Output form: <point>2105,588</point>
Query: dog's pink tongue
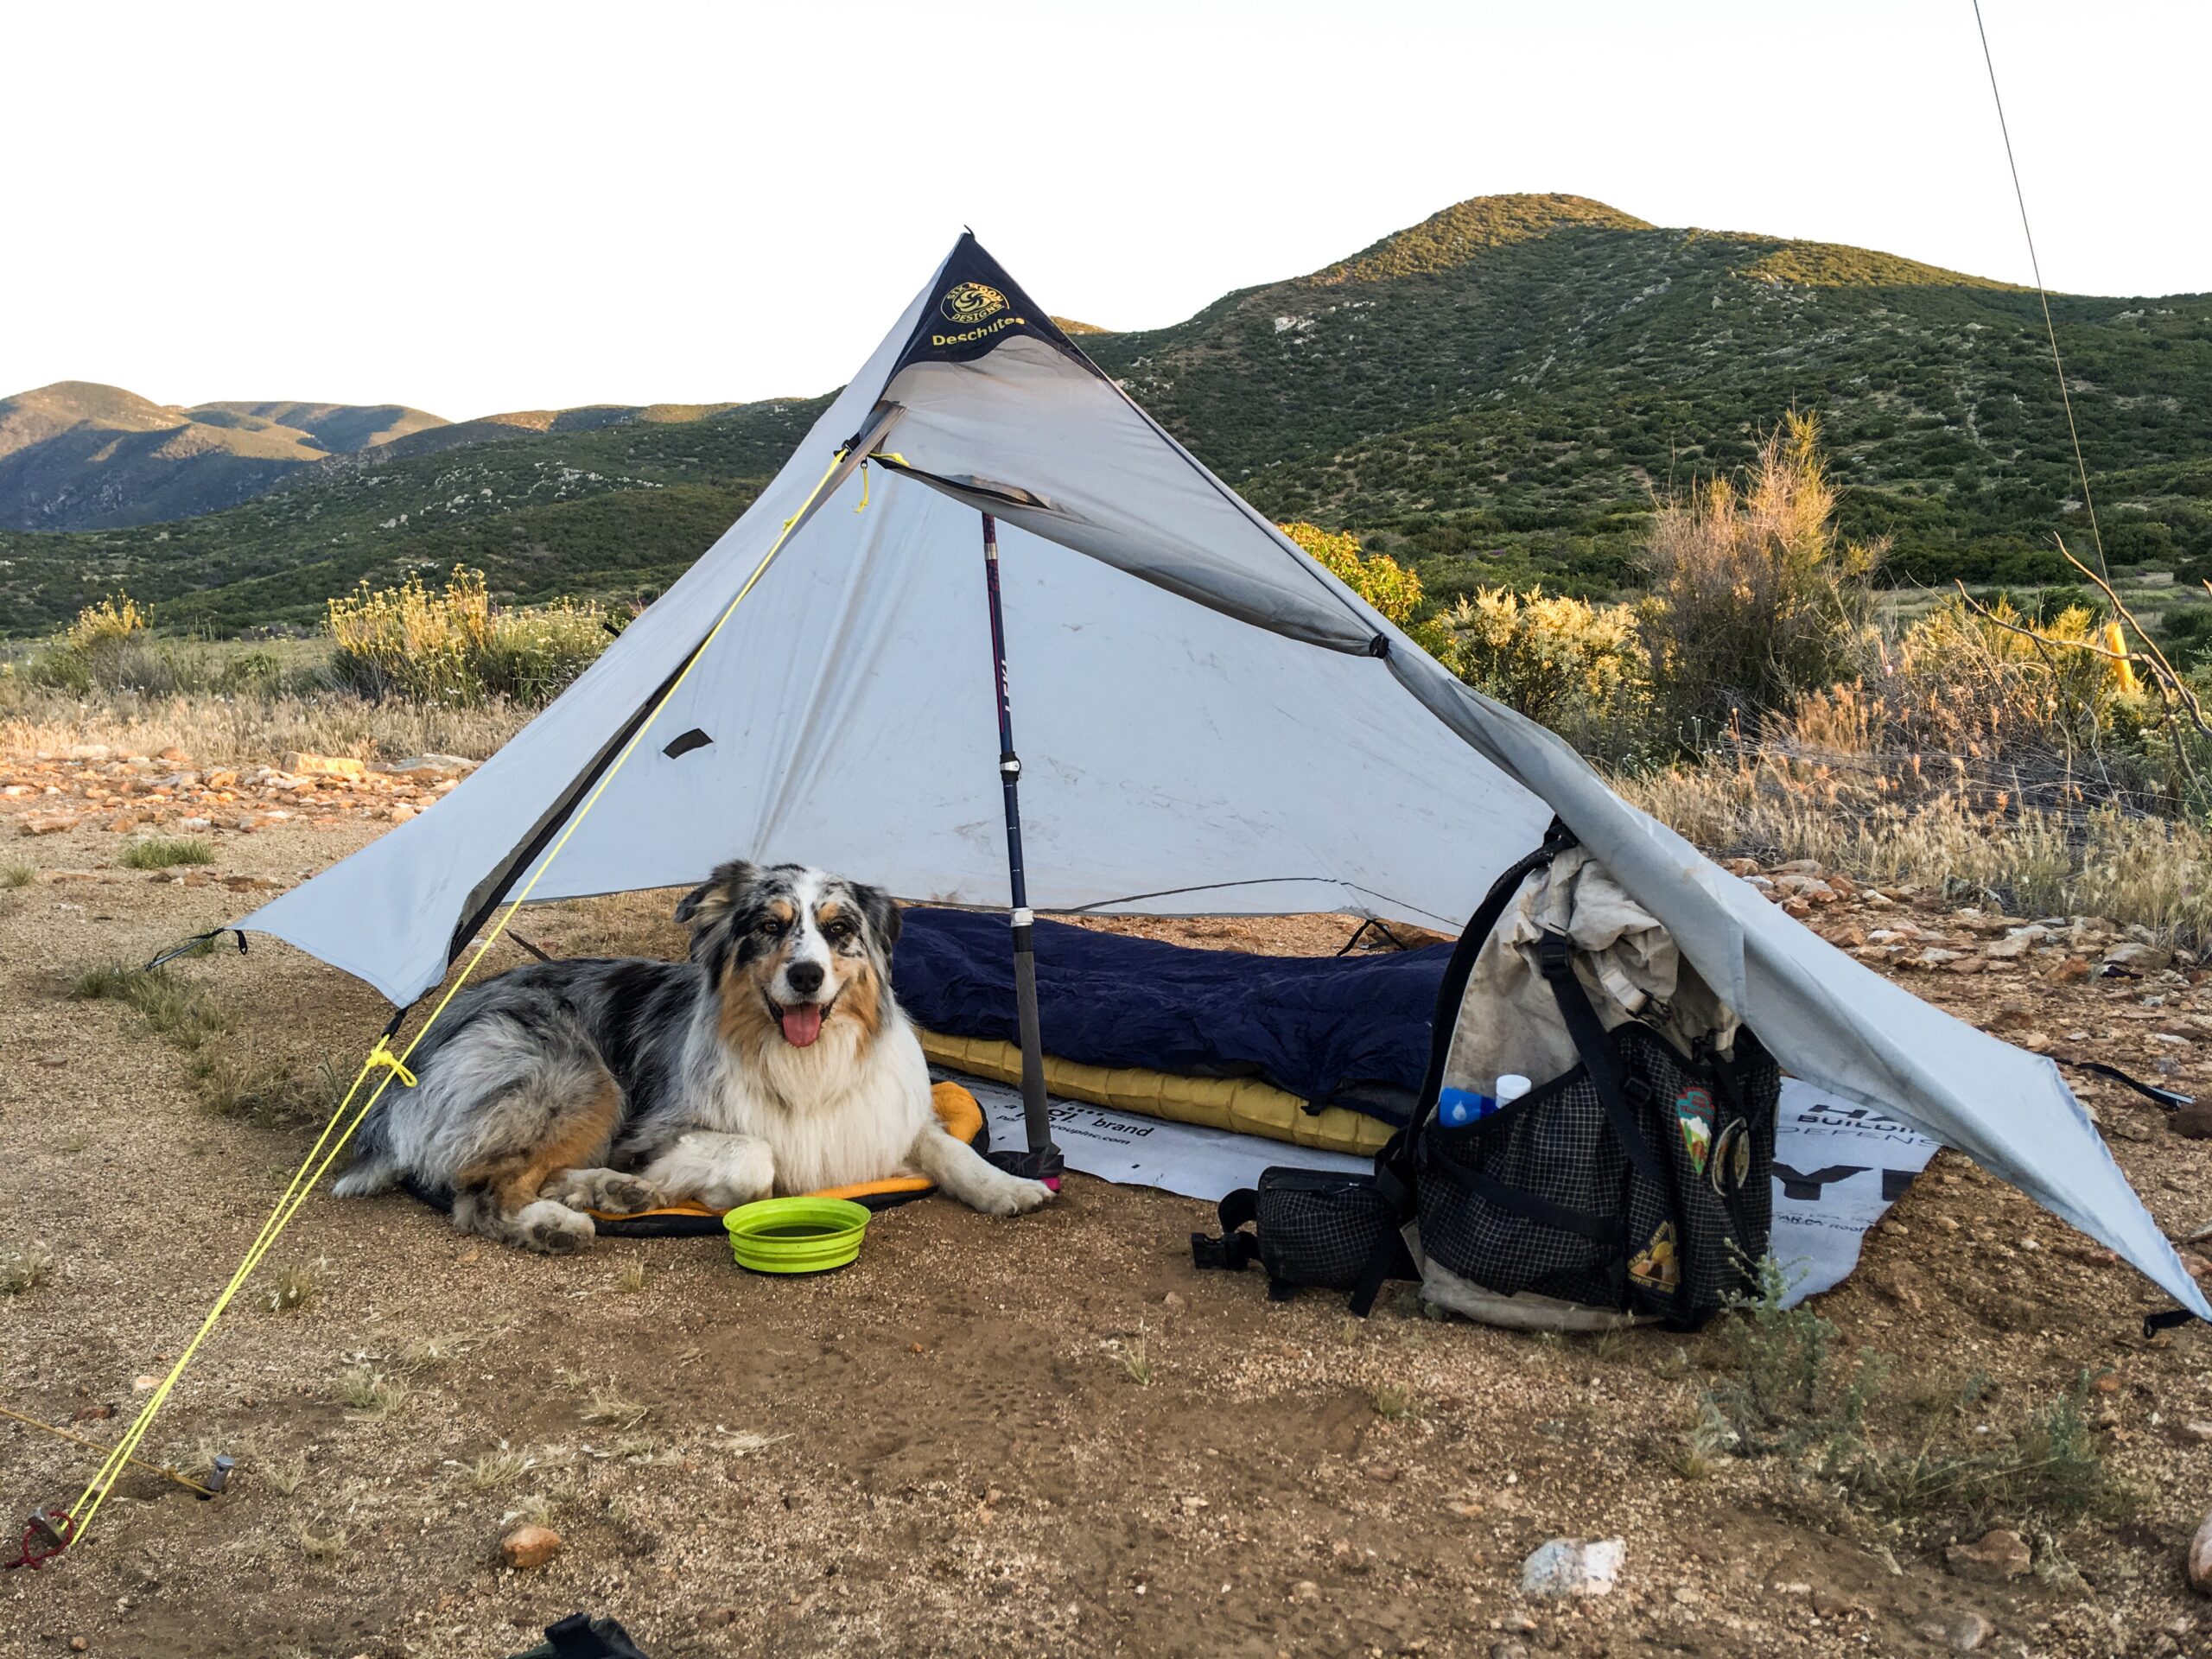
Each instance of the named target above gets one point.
<point>802,1025</point>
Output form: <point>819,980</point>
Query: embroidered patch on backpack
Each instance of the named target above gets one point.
<point>1655,1264</point>
<point>1693,1112</point>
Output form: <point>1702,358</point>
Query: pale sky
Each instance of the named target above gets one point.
<point>474,208</point>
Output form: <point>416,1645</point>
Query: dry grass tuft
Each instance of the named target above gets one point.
<point>294,1286</point>
<point>25,1268</point>
<point>369,1395</point>
<point>17,875</point>
<point>501,1467</point>
<point>607,1407</point>
<point>324,1548</point>
<point>283,1476</point>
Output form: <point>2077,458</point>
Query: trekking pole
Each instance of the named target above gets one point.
<point>1042,1162</point>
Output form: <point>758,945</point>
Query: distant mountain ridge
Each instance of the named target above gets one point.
<point>78,455</point>
<point>1496,394</point>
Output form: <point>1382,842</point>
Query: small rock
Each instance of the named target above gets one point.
<point>428,768</point>
<point>1570,1567</point>
<point>1991,1559</point>
<point>144,1382</point>
<point>1965,1632</point>
<point>300,765</point>
<point>1740,866</point>
<point>1969,965</point>
<point>1797,867</point>
<point>2131,956</point>
<point>2198,1430</point>
<point>1305,1590</point>
<point>100,1413</point>
<point>47,823</point>
<point>1516,1649</point>
<point>2199,1558</point>
<point>1810,888</point>
<point>2010,947</point>
<point>2072,971</point>
<point>529,1547</point>
<point>1935,957</point>
<point>1173,1299</point>
<point>78,1644</point>
<point>2192,1121</point>
<point>1829,1605</point>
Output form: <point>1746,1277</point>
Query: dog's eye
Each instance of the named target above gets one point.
<point>772,926</point>
<point>838,933</point>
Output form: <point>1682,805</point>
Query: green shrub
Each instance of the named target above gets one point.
<point>1578,668</point>
<point>455,647</point>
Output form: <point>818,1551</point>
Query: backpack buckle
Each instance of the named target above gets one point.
<point>1554,955</point>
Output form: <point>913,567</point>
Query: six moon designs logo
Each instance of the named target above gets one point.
<point>972,302</point>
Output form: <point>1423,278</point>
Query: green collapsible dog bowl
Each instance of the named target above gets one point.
<point>796,1235</point>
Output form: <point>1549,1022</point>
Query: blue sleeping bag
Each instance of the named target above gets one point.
<point>1334,1030</point>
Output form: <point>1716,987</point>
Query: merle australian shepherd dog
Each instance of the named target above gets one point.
<point>774,1060</point>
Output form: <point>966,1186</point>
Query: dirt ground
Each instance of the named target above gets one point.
<point>1047,1435</point>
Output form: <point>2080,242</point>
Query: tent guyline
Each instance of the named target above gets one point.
<point>394,1066</point>
<point>2035,266</point>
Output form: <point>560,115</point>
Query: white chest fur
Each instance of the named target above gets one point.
<point>832,1113</point>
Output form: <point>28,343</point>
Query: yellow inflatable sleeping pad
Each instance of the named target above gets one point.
<point>1244,1104</point>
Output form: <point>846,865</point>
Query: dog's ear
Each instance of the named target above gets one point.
<point>716,896</point>
<point>882,913</point>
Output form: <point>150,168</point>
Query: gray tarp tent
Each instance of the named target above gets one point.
<point>1212,724</point>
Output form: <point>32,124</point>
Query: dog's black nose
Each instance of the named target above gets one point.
<point>805,977</point>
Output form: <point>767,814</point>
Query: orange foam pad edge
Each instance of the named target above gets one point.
<point>956,1109</point>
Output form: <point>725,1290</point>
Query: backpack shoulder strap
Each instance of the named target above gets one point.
<point>1556,957</point>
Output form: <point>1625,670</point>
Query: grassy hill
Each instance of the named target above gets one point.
<point>612,508</point>
<point>1500,390</point>
<point>1495,393</point>
<point>75,456</point>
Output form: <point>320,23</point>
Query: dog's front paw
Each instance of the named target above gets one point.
<point>609,1192</point>
<point>552,1228</point>
<point>1012,1196</point>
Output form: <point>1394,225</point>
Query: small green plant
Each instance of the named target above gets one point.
<point>172,1006</point>
<point>294,1286</point>
<point>369,1395</point>
<point>1391,1403</point>
<point>17,875</point>
<point>167,852</point>
<point>25,1268</point>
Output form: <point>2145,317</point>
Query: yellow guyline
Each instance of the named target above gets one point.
<point>381,1058</point>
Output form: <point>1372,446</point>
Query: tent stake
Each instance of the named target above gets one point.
<point>1043,1162</point>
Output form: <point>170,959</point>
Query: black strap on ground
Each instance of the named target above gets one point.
<point>2171,1320</point>
<point>194,945</point>
<point>2171,1099</point>
<point>1235,1250</point>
